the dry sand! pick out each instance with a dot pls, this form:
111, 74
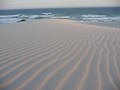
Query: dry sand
59, 55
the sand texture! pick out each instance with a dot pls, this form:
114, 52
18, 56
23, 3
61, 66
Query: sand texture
59, 55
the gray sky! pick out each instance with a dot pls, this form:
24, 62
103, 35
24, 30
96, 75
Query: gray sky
13, 4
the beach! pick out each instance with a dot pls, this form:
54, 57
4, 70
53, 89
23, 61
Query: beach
59, 54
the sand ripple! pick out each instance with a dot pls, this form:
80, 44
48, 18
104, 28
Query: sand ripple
70, 56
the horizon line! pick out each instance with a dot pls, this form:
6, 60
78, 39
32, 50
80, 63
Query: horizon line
61, 7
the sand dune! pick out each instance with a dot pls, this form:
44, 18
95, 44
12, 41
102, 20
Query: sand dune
59, 55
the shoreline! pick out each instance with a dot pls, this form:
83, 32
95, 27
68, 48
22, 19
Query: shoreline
105, 24
102, 24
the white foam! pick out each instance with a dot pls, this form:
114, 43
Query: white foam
61, 17
48, 13
100, 18
93, 16
5, 21
46, 16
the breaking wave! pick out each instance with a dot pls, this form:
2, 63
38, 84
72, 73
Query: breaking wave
88, 17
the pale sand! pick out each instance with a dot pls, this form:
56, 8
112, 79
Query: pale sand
59, 55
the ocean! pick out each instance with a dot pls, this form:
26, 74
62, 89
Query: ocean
103, 14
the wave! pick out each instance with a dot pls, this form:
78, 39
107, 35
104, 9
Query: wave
93, 16
18, 16
4, 19
48, 13
100, 18
88, 17
7, 21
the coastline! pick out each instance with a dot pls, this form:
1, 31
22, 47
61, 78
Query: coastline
103, 16
102, 24
106, 24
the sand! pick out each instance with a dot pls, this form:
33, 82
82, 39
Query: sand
59, 55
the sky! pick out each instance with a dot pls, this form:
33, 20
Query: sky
17, 4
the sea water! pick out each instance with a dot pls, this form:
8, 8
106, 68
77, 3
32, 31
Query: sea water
94, 15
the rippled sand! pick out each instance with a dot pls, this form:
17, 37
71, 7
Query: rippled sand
59, 55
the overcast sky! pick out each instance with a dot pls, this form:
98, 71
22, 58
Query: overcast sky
13, 4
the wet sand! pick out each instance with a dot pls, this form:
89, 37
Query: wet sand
59, 55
